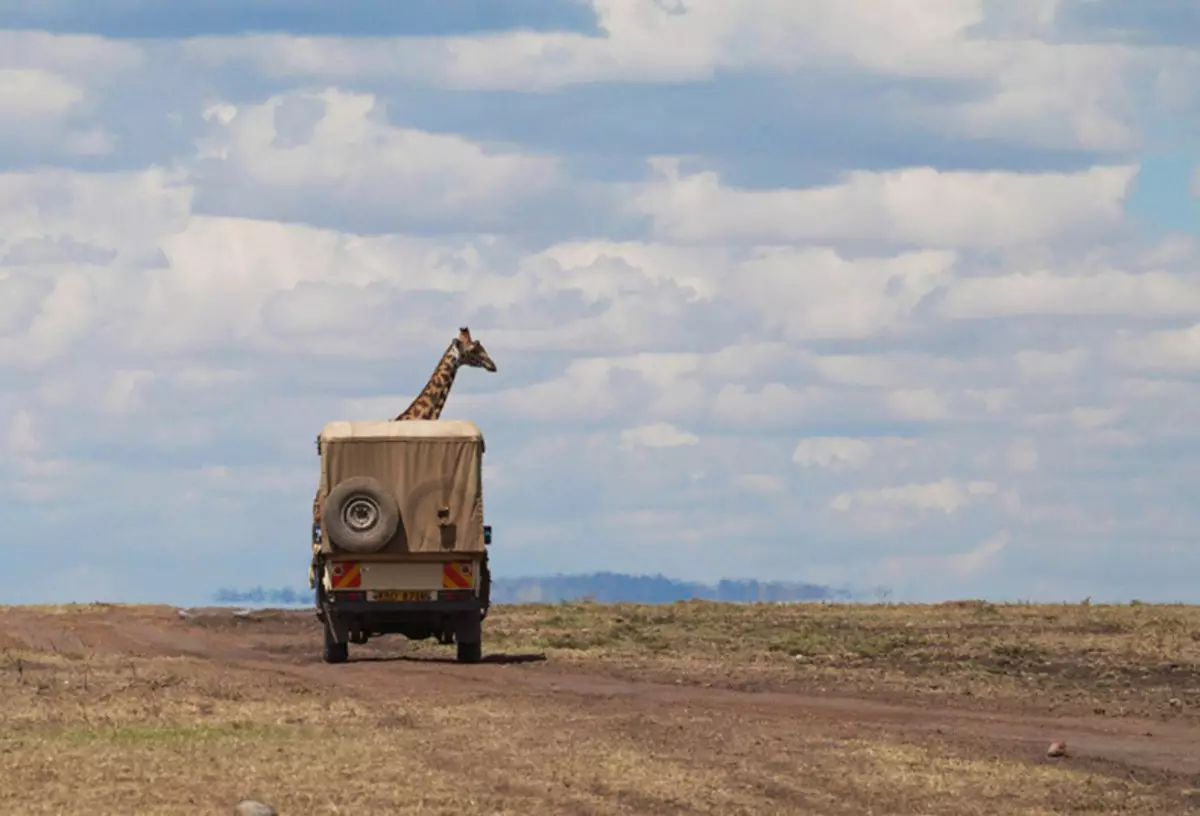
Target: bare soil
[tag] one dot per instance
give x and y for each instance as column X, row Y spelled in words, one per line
column 586, row 708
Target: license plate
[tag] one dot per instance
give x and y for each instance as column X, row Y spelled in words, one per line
column 399, row 595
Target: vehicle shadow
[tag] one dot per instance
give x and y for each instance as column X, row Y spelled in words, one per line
column 499, row 659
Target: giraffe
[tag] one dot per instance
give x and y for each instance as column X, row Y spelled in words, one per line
column 462, row 351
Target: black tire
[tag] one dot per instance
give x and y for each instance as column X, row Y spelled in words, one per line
column 360, row 515
column 334, row 652
column 470, row 652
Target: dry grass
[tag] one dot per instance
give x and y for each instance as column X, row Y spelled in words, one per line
column 86, row 730
column 1114, row 660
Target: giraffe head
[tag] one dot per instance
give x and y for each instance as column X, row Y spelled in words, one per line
column 471, row 352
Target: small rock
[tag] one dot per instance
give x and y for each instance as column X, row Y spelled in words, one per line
column 1175, row 702
column 249, row 807
column 1057, row 749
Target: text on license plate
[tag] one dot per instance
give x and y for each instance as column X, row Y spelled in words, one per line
column 399, row 595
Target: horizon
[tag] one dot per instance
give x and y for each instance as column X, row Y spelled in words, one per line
column 836, row 297
column 633, row 592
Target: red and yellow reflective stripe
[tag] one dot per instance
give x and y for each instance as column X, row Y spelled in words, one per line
column 346, row 575
column 456, row 575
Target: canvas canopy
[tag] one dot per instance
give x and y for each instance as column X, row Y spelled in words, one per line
column 379, row 430
column 427, row 465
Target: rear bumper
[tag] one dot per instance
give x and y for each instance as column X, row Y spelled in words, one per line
column 389, row 609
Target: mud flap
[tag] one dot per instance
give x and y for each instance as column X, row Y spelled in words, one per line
column 485, row 586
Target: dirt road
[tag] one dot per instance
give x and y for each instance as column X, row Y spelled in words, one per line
column 818, row 750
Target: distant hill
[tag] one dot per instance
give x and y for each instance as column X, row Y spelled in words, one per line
column 605, row 587
column 612, row 587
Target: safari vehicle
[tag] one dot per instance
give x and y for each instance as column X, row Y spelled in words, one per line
column 399, row 544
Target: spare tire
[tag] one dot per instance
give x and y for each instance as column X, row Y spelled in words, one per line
column 360, row 515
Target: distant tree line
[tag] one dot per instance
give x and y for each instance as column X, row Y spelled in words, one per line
column 285, row 596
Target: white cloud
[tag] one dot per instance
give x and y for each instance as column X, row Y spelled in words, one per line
column 917, row 403
column 1023, row 455
column 1151, row 294
column 606, row 269
column 76, row 55
column 255, row 282
column 1054, row 96
column 340, row 147
column 34, row 94
column 584, row 391
column 946, row 495
column 907, row 572
column 170, row 282
column 21, row 438
column 1172, row 248
column 761, row 483
column 61, row 319
column 125, row 392
column 1090, row 417
column 1031, row 90
column 128, row 212
column 1046, row 365
column 51, row 84
column 816, row 293
column 236, row 482
column 774, row 403
column 750, row 360
column 917, row 206
column 1015, row 76
column 711, row 35
column 834, row 452
column 46, row 105
column 657, row 435
column 1170, row 349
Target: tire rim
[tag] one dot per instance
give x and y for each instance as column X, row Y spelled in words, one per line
column 360, row 514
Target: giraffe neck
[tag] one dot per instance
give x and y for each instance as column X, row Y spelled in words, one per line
column 432, row 399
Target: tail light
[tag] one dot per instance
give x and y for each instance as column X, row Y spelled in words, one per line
column 455, row 595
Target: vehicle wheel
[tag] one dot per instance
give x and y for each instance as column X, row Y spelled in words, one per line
column 470, row 652
column 360, row 515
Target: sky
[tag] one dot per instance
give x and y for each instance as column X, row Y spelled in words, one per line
column 797, row 290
